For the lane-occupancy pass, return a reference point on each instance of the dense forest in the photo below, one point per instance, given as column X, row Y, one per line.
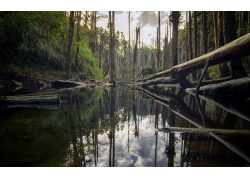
column 69, row 45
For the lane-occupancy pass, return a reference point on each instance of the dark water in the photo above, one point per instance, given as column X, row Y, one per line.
column 102, row 127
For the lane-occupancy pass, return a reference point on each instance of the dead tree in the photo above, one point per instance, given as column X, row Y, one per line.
column 177, row 74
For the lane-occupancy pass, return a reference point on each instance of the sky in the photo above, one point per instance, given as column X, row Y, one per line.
column 143, row 12
column 148, row 21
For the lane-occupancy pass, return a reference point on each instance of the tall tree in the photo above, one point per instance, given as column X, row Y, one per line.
column 223, row 68
column 158, row 40
column 165, row 60
column 229, row 30
column 187, row 32
column 112, row 46
column 129, row 59
column 70, row 44
column 190, row 42
column 78, row 40
column 175, row 21
column 204, row 35
column 135, row 49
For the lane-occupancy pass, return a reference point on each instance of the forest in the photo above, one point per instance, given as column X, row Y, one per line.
column 69, row 45
column 202, row 53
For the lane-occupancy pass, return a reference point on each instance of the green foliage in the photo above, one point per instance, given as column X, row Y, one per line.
column 37, row 42
column 214, row 72
column 147, row 70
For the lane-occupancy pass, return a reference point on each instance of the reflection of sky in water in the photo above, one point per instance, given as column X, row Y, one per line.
column 140, row 151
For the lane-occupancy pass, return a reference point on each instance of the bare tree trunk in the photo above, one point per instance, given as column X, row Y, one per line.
column 187, row 45
column 113, row 67
column 158, row 40
column 195, row 34
column 165, row 60
column 204, row 36
column 129, row 59
column 135, row 50
column 215, row 29
column 78, row 40
column 224, row 70
column 175, row 20
column 190, row 43
column 70, row 44
column 236, row 69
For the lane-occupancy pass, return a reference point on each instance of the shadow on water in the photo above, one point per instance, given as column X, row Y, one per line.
column 118, row 127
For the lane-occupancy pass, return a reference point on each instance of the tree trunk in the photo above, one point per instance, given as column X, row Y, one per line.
column 159, row 40
column 135, row 50
column 129, row 59
column 78, row 40
column 70, row 44
column 236, row 69
column 175, row 20
column 223, row 68
column 204, row 37
column 187, row 44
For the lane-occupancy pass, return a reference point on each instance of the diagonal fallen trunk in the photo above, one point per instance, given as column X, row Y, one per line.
column 203, row 130
column 237, row 48
column 234, row 89
column 191, row 116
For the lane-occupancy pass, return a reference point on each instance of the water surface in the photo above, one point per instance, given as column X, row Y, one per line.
column 118, row 127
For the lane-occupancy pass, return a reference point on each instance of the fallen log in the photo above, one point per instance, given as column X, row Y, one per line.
column 212, row 81
column 30, row 100
column 203, row 130
column 237, row 48
column 234, row 89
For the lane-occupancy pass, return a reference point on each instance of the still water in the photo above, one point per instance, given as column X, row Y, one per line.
column 118, row 127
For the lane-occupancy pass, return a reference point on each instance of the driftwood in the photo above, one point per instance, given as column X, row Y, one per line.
column 237, row 48
column 203, row 130
column 30, row 100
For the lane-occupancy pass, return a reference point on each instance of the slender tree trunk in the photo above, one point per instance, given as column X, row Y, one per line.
column 236, row 69
column 166, row 50
column 78, row 40
column 195, row 34
column 157, row 49
column 129, row 59
column 113, row 75
column 187, row 45
column 191, row 43
column 215, row 29
column 223, row 68
column 135, row 50
column 70, row 44
column 204, row 36
column 175, row 19
column 158, row 40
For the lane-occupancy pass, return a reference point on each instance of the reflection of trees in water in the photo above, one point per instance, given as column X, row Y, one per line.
column 116, row 109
